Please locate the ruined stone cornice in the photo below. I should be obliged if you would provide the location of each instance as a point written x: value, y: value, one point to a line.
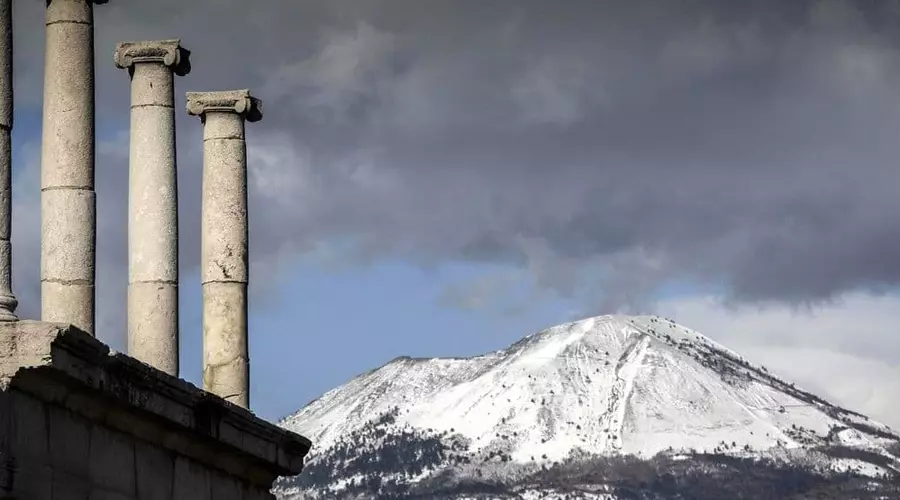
x: 167, y: 52
x: 62, y: 365
x: 234, y: 101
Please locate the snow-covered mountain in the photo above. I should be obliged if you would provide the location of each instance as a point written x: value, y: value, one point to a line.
x: 636, y: 389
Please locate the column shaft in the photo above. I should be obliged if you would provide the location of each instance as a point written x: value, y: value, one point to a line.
x: 8, y: 301
x: 153, y: 220
x: 68, y: 202
x: 153, y: 201
x: 224, y: 241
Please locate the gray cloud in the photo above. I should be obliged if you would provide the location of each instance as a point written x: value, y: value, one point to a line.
x: 735, y: 146
x: 606, y: 147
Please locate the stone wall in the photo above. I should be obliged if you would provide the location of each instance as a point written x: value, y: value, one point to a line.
x: 87, y: 460
x: 78, y: 421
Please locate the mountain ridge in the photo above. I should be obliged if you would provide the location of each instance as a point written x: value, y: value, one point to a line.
x: 605, y: 386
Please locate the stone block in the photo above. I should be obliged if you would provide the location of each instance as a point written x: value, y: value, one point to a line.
x: 32, y: 480
x: 191, y: 481
x: 69, y: 442
x: 7, y: 427
x: 112, y: 460
x: 155, y: 472
x: 230, y: 434
x: 69, y: 257
x: 101, y: 494
x: 30, y: 428
x: 67, y: 302
x: 66, y: 486
x: 257, y: 493
x: 259, y: 446
x: 153, y: 324
x: 224, y: 487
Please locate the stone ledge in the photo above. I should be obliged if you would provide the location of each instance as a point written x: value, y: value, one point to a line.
x: 62, y: 365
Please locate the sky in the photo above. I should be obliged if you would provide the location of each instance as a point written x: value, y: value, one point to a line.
x: 439, y: 179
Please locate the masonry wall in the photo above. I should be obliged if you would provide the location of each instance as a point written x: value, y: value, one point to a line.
x: 58, y: 455
x: 80, y: 422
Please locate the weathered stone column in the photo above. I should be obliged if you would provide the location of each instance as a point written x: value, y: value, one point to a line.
x: 153, y: 200
x: 224, y: 240
x: 68, y: 202
x: 8, y: 301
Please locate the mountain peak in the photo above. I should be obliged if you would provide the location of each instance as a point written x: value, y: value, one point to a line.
x: 608, y: 385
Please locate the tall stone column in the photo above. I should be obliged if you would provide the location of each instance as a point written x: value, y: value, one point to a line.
x: 8, y: 301
x: 224, y: 240
x: 68, y: 202
x: 153, y: 200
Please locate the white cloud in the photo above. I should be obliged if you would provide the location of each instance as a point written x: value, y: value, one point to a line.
x: 280, y: 170
x: 847, y: 351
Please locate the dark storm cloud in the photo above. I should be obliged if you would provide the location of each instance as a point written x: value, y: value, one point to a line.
x: 607, y: 145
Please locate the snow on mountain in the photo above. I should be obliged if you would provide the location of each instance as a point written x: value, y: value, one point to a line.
x: 610, y: 385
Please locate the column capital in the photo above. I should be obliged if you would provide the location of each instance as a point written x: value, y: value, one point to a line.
x: 234, y: 101
x: 167, y: 52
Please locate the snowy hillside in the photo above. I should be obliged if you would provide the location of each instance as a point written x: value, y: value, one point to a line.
x: 602, y: 387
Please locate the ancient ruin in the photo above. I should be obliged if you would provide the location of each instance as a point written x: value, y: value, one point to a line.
x: 68, y: 201
x: 76, y: 419
x: 224, y: 242
x: 153, y: 200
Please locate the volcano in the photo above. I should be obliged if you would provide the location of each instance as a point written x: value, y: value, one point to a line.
x: 603, y: 396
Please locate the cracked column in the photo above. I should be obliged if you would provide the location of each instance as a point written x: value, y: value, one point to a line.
x: 68, y: 202
x: 224, y: 240
x: 8, y: 301
x: 153, y: 200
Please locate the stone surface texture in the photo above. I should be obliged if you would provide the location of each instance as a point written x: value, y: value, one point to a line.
x: 8, y: 301
x: 224, y: 239
x: 79, y: 421
x: 68, y: 201
x: 153, y: 200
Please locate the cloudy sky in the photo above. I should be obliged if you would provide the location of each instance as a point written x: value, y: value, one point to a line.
x: 433, y: 178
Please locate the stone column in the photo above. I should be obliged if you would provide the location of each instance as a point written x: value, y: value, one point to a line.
x: 153, y: 200
x: 8, y: 301
x: 68, y: 202
x: 224, y: 240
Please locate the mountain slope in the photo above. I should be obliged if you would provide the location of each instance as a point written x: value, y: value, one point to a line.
x: 606, y: 386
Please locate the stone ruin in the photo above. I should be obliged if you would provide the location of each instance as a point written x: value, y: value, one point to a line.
x: 78, y: 421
